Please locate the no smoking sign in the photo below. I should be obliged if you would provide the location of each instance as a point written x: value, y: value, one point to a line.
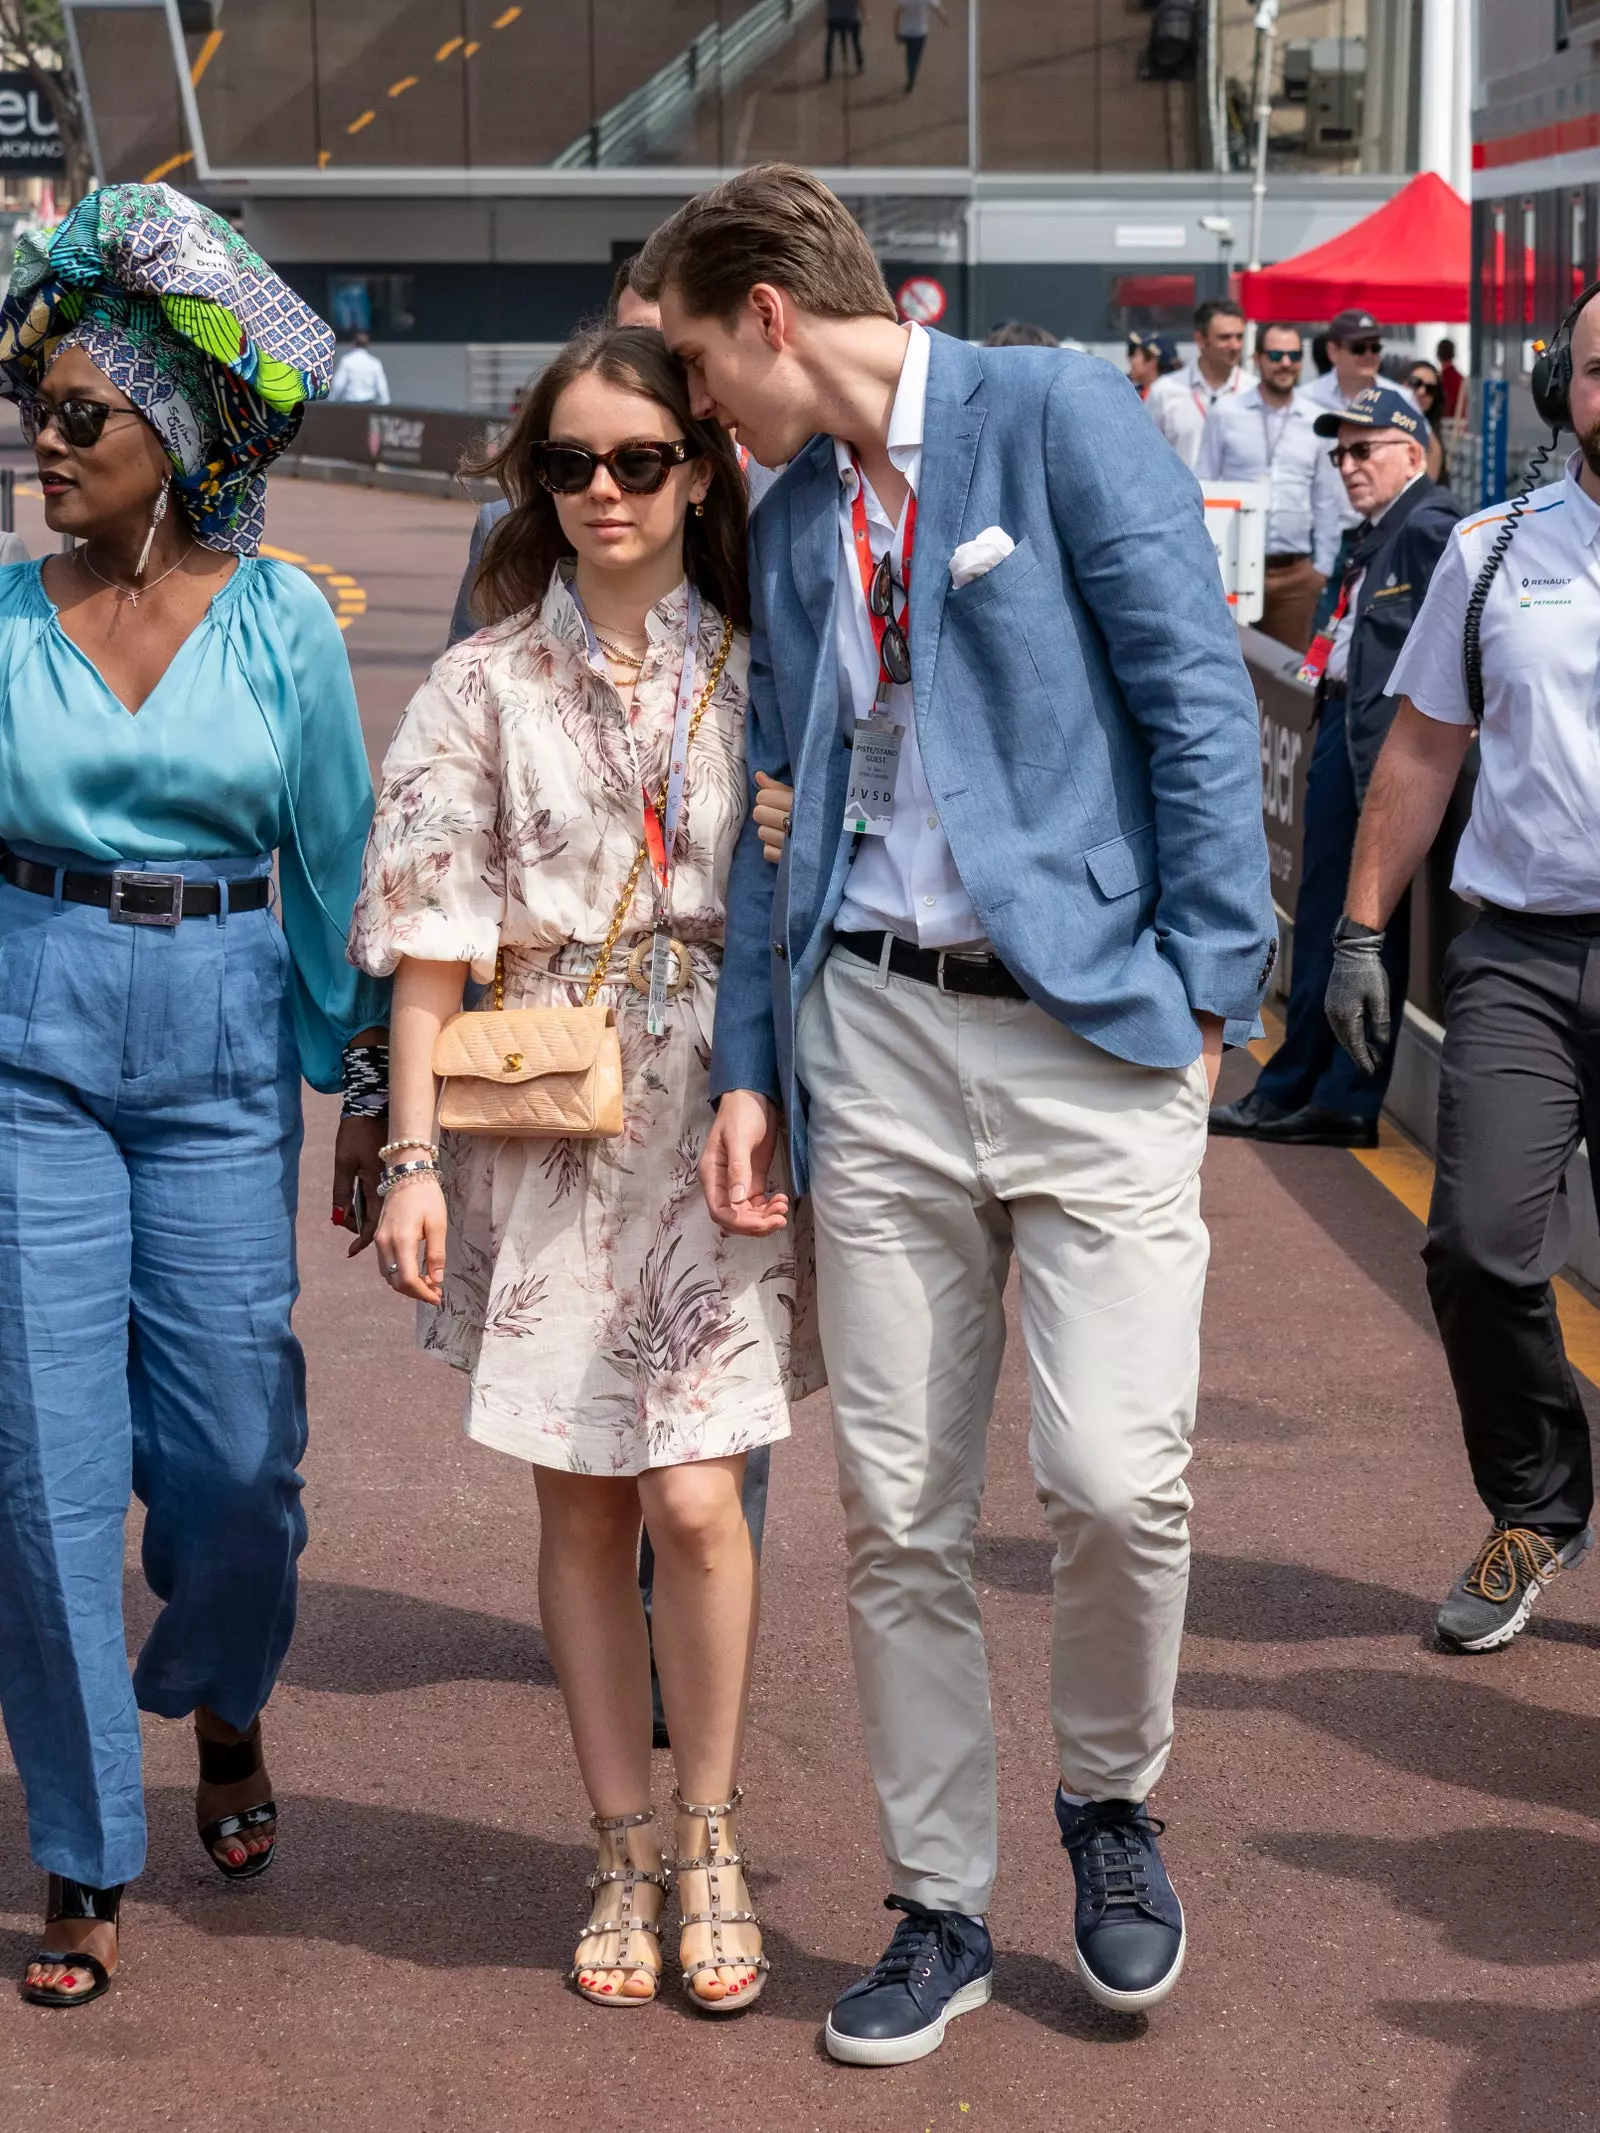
x: 921, y: 300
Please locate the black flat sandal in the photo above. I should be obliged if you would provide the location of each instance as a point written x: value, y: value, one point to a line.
x: 228, y: 1763
x: 73, y: 1899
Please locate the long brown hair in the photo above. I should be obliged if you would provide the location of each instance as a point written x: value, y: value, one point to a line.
x: 523, y: 549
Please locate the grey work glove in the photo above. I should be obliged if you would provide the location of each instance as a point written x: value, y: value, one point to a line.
x: 1358, y: 994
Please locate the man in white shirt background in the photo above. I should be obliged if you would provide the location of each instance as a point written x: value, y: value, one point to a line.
x: 359, y: 377
x: 1355, y: 342
x: 1266, y: 433
x: 1179, y: 404
x: 1519, y: 1080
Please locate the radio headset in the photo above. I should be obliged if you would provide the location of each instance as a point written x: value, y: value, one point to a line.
x: 1552, y: 398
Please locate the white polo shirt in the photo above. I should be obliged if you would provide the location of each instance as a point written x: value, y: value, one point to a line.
x: 905, y: 883
x: 1533, y: 842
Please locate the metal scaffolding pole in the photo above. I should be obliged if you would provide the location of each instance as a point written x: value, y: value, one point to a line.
x: 1266, y: 24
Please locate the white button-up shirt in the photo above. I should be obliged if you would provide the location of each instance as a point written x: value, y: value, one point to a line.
x: 1246, y: 440
x: 1181, y: 403
x: 906, y: 882
x: 360, y: 377
x: 1532, y: 843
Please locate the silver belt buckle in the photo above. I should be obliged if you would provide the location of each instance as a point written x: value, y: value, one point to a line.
x: 123, y: 879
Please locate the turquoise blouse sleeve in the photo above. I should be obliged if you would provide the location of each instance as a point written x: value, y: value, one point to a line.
x: 328, y: 788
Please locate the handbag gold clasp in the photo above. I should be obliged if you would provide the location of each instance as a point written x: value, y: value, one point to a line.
x: 512, y: 1063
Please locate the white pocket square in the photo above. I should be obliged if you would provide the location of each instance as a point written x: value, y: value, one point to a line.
x: 977, y: 557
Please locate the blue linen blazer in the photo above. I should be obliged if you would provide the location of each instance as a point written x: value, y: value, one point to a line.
x: 1086, y: 721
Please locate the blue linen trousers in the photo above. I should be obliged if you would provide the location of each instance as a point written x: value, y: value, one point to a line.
x: 149, y: 1150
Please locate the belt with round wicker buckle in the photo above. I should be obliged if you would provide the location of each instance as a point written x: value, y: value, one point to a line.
x: 639, y: 967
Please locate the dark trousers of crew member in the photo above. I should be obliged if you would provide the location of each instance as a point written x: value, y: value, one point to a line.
x: 848, y: 35
x: 1311, y: 1066
x: 1519, y: 1087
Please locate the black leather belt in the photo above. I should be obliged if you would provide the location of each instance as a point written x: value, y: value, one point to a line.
x: 984, y: 975
x: 1578, y: 925
x: 1284, y: 556
x: 133, y: 898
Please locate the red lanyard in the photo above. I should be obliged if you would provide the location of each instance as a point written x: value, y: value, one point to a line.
x: 1315, y: 663
x: 867, y: 562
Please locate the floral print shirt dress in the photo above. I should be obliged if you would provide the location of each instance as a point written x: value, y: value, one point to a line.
x: 607, y: 1324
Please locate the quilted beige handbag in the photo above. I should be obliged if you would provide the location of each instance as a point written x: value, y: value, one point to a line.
x: 548, y: 1070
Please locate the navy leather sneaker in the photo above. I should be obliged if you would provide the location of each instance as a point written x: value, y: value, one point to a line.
x: 1127, y: 1931
x: 939, y: 1964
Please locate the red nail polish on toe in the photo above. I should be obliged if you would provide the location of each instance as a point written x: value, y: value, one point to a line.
x: 70, y: 1980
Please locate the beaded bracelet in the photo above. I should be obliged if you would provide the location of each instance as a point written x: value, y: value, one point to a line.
x: 366, y: 1081
x: 397, y: 1174
x: 393, y: 1148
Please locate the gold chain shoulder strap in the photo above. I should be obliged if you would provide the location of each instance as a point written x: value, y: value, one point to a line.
x: 619, y: 916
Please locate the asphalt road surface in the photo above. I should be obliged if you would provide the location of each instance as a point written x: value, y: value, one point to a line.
x: 1390, y: 1858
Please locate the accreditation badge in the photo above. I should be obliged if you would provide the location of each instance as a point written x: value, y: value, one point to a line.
x: 874, y: 766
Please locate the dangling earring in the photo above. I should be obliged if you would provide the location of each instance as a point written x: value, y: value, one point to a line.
x: 157, y: 516
x: 699, y: 510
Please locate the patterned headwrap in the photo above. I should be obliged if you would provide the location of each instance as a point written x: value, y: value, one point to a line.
x: 216, y: 352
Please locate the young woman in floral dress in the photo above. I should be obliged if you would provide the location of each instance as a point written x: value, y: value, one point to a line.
x: 614, y: 1336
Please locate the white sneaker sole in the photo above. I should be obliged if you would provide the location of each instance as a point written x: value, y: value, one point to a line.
x: 1502, y: 1635
x: 1131, y: 2002
x: 900, y: 2051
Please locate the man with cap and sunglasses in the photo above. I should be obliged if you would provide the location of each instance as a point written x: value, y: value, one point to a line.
x: 1311, y: 1091
x: 1505, y: 651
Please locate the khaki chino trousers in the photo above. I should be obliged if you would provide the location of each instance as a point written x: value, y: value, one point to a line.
x: 946, y: 1133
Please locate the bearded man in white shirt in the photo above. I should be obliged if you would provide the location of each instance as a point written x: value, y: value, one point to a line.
x: 1180, y: 404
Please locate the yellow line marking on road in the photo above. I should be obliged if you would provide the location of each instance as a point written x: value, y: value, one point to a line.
x: 204, y: 57
x: 406, y: 81
x: 1406, y: 1173
x: 504, y: 22
x: 324, y: 158
x: 165, y: 170
x: 469, y: 48
x: 365, y: 119
x: 452, y: 44
x: 350, y: 593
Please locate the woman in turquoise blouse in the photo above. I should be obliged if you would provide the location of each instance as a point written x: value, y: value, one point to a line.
x: 173, y: 710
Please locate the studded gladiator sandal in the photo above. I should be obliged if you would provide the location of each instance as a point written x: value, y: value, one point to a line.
x: 625, y: 1924
x: 721, y: 1855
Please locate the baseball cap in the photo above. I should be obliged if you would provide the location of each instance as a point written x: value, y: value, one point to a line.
x: 1352, y: 325
x: 1380, y: 407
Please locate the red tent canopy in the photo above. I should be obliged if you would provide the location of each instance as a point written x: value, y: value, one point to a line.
x: 1407, y: 261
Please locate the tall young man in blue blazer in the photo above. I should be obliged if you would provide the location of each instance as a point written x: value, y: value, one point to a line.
x: 1023, y: 902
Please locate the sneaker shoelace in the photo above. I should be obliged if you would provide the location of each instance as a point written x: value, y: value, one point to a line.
x: 1111, y: 1838
x: 919, y: 1937
x: 1510, y: 1558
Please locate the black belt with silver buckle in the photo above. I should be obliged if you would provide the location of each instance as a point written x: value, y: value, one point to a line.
x: 984, y: 975
x: 132, y: 898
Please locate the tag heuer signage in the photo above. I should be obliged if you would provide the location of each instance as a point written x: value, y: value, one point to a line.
x: 30, y: 139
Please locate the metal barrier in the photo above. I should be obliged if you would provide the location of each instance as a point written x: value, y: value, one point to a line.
x: 8, y: 499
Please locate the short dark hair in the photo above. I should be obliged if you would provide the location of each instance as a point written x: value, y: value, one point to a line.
x: 621, y: 283
x: 1017, y: 333
x: 1278, y: 325
x: 1216, y: 307
x: 776, y: 223
x: 524, y: 547
x: 1446, y: 351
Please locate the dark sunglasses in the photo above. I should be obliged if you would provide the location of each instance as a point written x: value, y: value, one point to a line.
x: 1282, y: 355
x: 1422, y: 384
x: 81, y: 422
x: 1364, y: 348
x: 1363, y: 451
x: 894, y: 650
x: 640, y: 469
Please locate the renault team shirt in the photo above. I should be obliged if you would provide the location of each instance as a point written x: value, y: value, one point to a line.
x: 1531, y: 843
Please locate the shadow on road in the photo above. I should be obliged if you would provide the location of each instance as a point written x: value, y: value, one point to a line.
x: 1436, y: 1724
x: 1521, y: 1896
x: 1527, y: 2066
